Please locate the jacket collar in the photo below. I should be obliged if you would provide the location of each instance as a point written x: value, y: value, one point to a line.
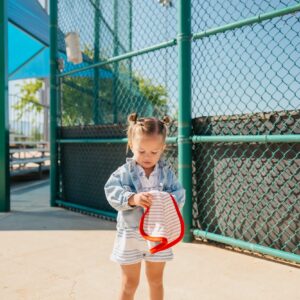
x: 133, y: 171
x: 132, y: 162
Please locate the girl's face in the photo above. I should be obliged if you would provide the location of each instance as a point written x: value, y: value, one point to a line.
x: 147, y: 149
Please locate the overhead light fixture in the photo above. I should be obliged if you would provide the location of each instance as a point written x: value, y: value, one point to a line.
x: 74, y: 54
x: 165, y: 2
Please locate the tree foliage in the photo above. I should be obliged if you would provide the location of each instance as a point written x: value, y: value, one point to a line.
x: 28, y: 101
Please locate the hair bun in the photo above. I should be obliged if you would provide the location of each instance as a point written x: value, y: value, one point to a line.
x: 166, y: 120
x: 132, y: 118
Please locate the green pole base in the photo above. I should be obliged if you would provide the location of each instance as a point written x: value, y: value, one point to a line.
x: 188, y: 237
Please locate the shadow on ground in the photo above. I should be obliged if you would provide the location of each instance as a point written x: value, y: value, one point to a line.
x: 30, y: 210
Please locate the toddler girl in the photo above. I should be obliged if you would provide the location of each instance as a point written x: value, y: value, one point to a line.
x: 127, y: 191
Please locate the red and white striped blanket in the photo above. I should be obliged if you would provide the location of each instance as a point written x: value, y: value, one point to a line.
x: 162, y: 223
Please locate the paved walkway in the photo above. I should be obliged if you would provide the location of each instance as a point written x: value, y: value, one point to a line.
x: 56, y: 254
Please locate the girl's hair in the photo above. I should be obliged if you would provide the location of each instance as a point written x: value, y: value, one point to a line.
x: 148, y: 126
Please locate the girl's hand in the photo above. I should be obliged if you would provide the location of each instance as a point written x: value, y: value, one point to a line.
x: 143, y: 199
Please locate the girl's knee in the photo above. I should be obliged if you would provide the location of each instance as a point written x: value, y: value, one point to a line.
x: 155, y: 279
x: 155, y: 283
x: 130, y: 284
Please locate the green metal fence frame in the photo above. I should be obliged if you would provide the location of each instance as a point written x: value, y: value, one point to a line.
x: 184, y: 38
x: 184, y: 140
x: 248, y: 138
x: 53, y: 102
x: 4, y: 127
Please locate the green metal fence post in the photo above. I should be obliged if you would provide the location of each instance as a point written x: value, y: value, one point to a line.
x: 96, y: 105
x: 116, y: 64
x: 4, y: 125
x: 130, y: 44
x: 184, y: 111
x: 53, y: 102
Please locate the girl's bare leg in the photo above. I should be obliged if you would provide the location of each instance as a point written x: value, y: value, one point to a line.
x: 154, y: 272
x: 130, y: 280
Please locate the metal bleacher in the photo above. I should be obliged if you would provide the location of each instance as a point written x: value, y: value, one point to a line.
x: 28, y: 156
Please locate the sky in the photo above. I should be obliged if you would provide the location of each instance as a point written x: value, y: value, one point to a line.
x: 13, y: 85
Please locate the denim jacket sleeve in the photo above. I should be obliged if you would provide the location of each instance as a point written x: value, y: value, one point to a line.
x: 117, y: 195
x: 177, y: 190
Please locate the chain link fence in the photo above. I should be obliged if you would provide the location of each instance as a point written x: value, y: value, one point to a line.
x: 94, y: 102
x: 246, y: 82
x: 245, y: 108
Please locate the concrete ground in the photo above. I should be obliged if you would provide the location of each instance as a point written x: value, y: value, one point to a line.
x: 52, y: 253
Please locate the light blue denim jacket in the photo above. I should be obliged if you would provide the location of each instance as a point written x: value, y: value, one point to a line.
x: 124, y: 182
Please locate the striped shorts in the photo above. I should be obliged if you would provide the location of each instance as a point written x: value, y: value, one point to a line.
x: 130, y: 248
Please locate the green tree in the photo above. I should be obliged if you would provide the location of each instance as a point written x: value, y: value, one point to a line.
x: 36, y: 134
x: 136, y: 93
x: 28, y: 100
x: 155, y: 94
